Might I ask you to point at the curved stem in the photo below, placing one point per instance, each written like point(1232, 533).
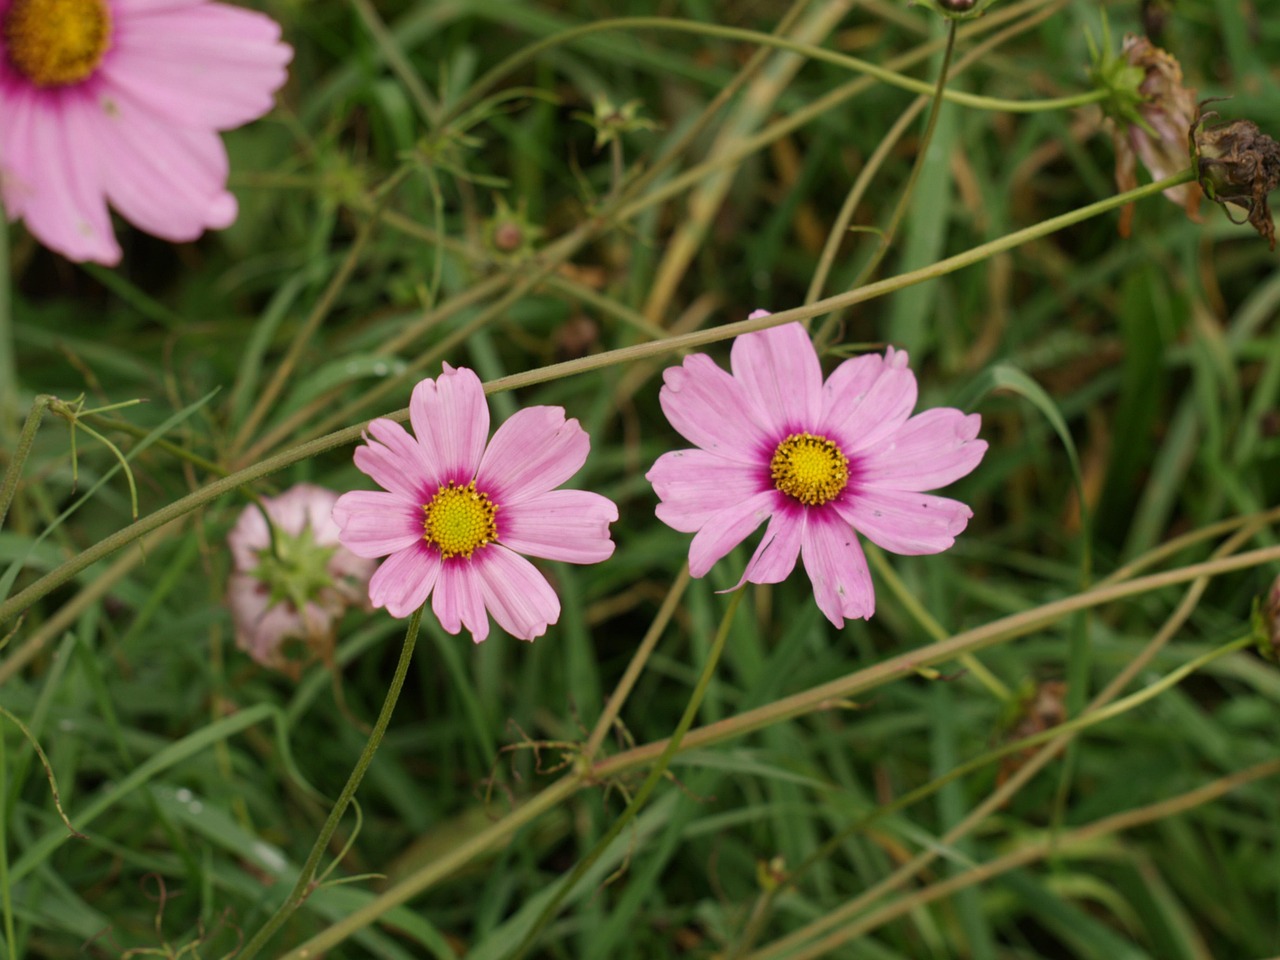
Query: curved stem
point(656, 773)
point(629, 24)
point(1067, 728)
point(306, 876)
point(638, 660)
point(922, 153)
point(11, 476)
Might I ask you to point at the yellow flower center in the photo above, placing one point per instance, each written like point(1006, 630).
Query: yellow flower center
point(460, 519)
point(54, 43)
point(812, 469)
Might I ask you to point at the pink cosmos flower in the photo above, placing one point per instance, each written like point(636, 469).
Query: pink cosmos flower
point(298, 588)
point(457, 515)
point(121, 101)
point(818, 460)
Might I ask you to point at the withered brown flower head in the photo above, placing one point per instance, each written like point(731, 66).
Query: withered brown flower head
point(1238, 163)
point(1151, 126)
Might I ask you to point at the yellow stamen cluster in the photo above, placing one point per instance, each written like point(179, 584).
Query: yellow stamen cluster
point(54, 43)
point(812, 469)
point(459, 519)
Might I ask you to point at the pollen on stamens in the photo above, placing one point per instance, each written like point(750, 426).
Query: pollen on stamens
point(55, 43)
point(459, 520)
point(809, 468)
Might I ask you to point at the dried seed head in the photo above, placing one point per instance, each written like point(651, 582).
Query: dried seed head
point(1150, 111)
point(1237, 163)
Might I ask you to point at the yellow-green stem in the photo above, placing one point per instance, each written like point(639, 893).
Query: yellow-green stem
point(656, 773)
point(306, 876)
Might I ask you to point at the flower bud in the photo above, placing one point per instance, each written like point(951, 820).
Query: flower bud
point(1150, 112)
point(291, 580)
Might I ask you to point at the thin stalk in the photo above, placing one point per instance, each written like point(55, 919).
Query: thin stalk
point(823, 696)
point(306, 876)
point(23, 450)
point(637, 664)
point(911, 603)
point(1069, 727)
point(809, 51)
point(709, 112)
point(656, 773)
point(1002, 794)
point(1031, 853)
point(192, 501)
point(894, 134)
point(1023, 16)
point(6, 894)
point(321, 310)
point(922, 155)
point(397, 61)
point(817, 698)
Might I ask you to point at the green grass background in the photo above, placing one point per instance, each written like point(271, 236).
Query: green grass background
point(1153, 360)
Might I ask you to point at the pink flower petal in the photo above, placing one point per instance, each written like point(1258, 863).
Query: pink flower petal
point(710, 409)
point(518, 596)
point(779, 371)
point(397, 462)
point(404, 581)
point(866, 399)
point(209, 65)
point(911, 524)
point(567, 525)
point(131, 7)
point(451, 421)
point(694, 484)
point(168, 180)
point(248, 537)
point(931, 450)
point(458, 600)
point(374, 524)
point(835, 563)
point(776, 556)
point(536, 450)
point(725, 530)
point(60, 184)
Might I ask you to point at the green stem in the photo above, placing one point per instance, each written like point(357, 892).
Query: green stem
point(321, 310)
point(397, 61)
point(908, 663)
point(167, 514)
point(821, 54)
point(302, 889)
point(20, 454)
point(638, 661)
point(6, 895)
point(808, 701)
point(911, 603)
point(904, 201)
point(1070, 727)
point(656, 773)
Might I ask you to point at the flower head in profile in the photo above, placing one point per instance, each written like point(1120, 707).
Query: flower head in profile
point(1151, 113)
point(455, 515)
point(120, 102)
point(291, 580)
point(821, 462)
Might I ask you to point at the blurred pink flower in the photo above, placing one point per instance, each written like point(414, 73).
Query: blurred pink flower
point(456, 515)
point(121, 101)
point(818, 460)
point(299, 589)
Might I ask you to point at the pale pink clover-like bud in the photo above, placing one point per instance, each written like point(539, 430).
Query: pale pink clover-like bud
point(297, 590)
